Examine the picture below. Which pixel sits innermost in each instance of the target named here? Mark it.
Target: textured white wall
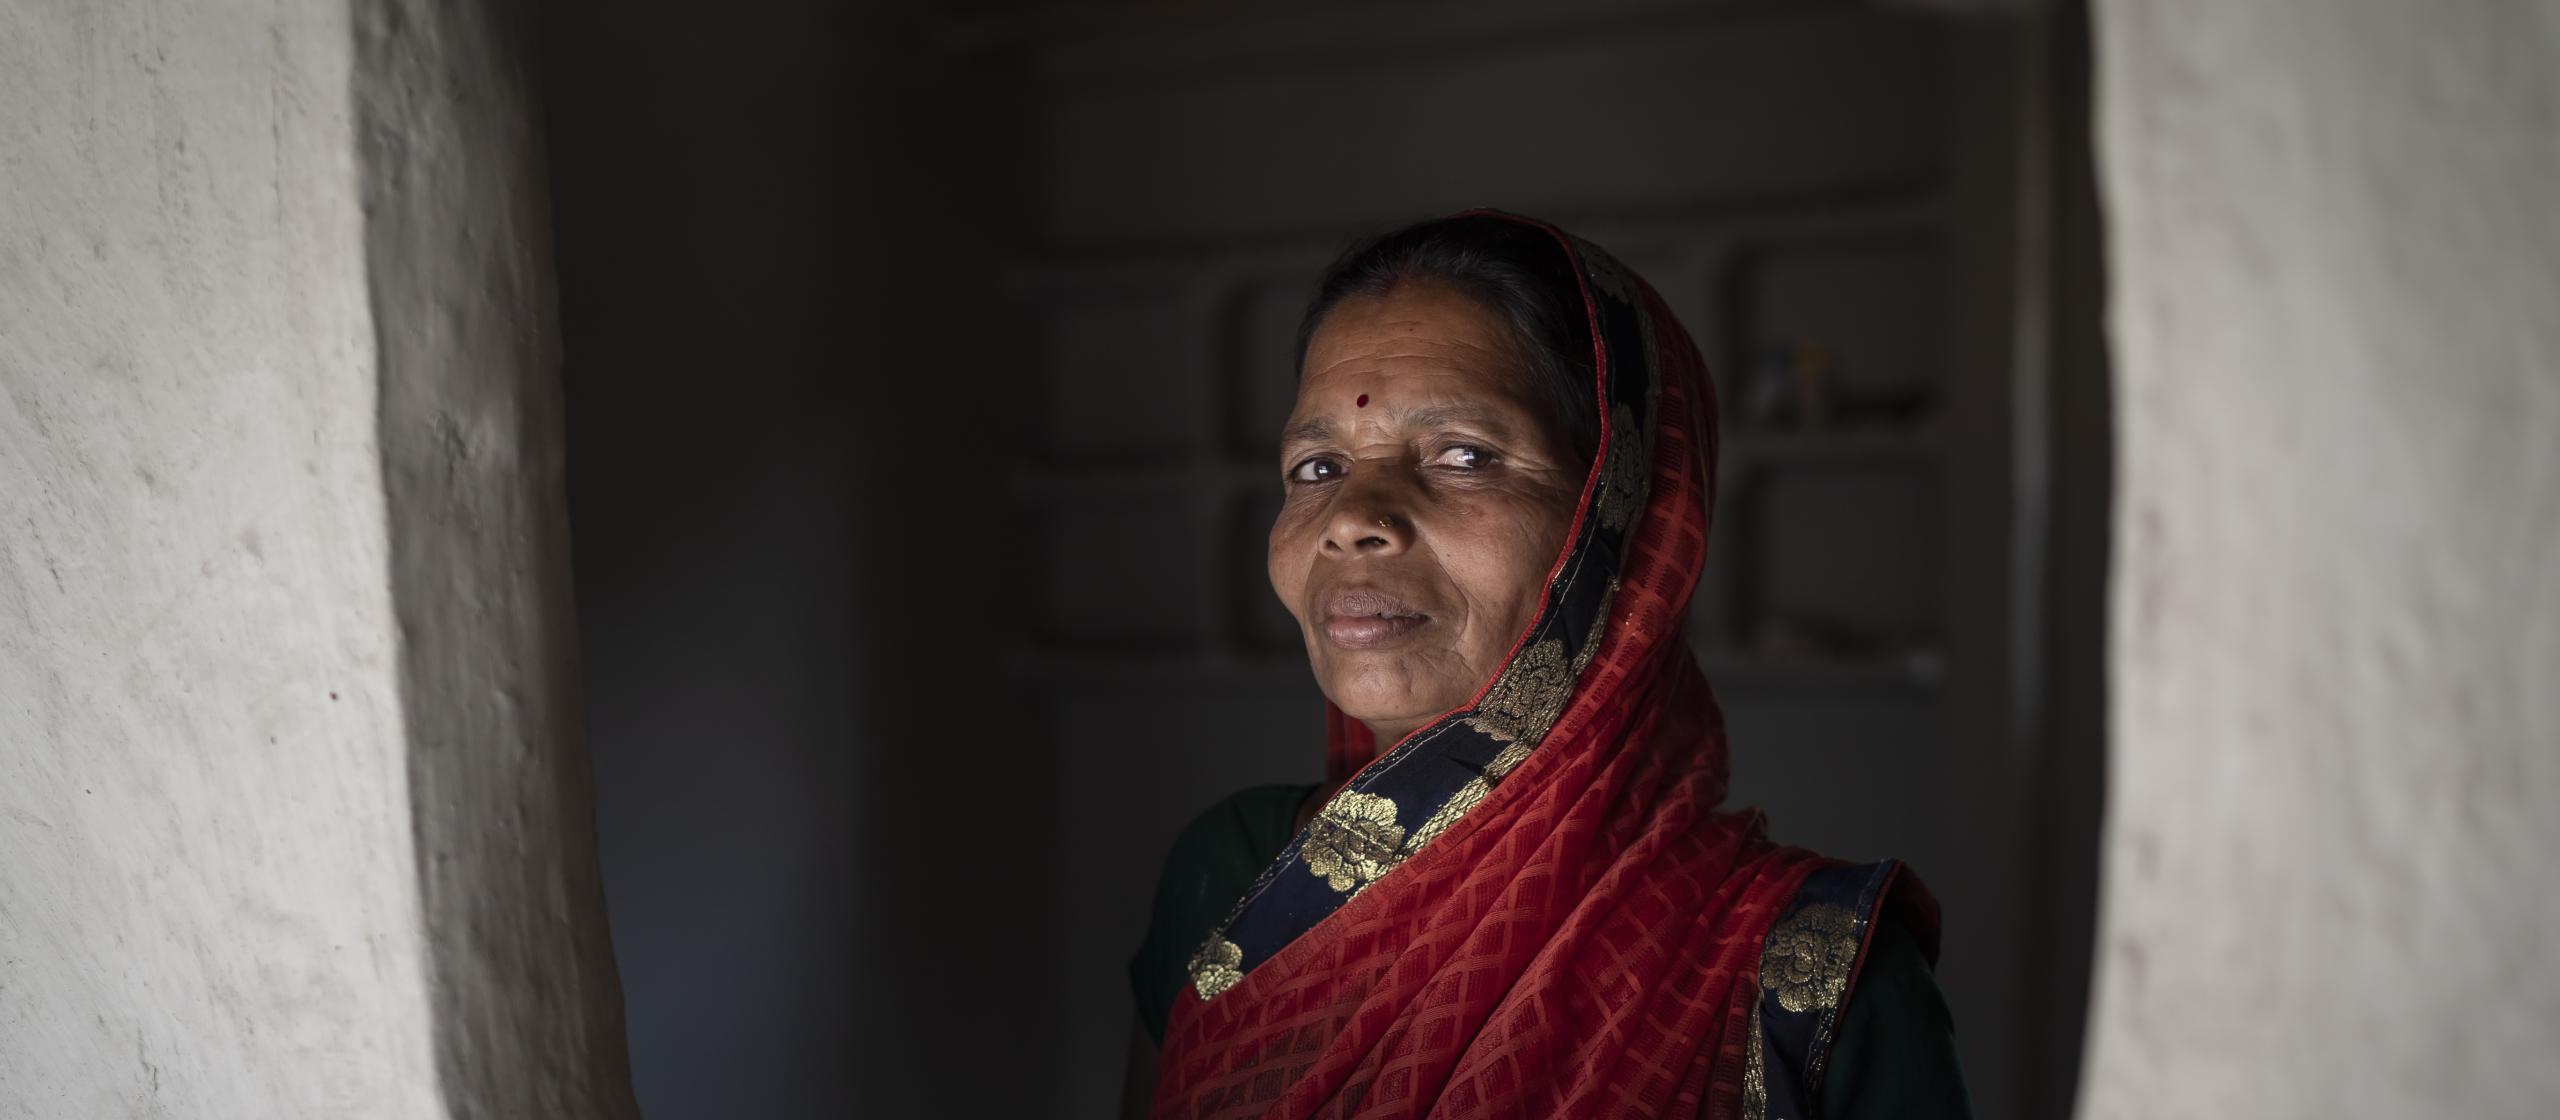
(261, 266)
(207, 902)
(2335, 761)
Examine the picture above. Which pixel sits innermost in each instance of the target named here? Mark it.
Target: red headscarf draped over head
(1575, 932)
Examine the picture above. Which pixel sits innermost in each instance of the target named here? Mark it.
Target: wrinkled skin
(1418, 528)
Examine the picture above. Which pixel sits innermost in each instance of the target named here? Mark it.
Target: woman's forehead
(1419, 346)
(1418, 317)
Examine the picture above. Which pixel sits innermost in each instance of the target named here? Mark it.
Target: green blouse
(1894, 1055)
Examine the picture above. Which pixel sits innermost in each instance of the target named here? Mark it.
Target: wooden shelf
(1138, 479)
(1169, 665)
(1746, 449)
(1712, 233)
(1731, 667)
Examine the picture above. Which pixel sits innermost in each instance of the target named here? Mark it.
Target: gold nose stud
(1386, 523)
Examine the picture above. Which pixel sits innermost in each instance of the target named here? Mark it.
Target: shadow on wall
(920, 376)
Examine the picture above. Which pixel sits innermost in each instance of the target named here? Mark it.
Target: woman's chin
(1380, 696)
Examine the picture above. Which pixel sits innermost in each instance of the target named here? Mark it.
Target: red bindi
(1363, 402)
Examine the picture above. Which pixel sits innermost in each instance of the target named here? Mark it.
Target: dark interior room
(918, 355)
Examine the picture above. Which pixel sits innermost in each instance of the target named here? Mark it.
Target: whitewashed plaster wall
(293, 819)
(2334, 786)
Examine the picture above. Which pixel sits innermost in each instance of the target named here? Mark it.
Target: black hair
(1518, 270)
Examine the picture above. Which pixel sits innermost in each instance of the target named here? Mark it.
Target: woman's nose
(1368, 521)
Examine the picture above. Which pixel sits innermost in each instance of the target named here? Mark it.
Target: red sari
(1577, 930)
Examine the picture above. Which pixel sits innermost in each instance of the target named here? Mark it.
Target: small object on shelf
(1810, 373)
(1790, 386)
(1804, 387)
(1789, 638)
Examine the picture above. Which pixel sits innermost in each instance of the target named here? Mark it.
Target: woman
(1499, 471)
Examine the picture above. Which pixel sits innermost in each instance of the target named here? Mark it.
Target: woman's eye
(1318, 469)
(1465, 455)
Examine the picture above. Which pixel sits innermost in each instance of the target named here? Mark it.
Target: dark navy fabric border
(1796, 1033)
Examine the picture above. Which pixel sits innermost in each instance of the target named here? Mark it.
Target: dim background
(900, 684)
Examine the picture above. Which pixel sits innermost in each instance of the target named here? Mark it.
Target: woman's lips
(1366, 618)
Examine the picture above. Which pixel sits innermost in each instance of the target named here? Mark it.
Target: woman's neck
(1385, 735)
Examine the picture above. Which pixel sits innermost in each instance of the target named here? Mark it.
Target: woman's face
(1428, 493)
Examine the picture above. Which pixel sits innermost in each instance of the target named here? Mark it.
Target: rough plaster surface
(207, 906)
(528, 1008)
(2334, 785)
(292, 809)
